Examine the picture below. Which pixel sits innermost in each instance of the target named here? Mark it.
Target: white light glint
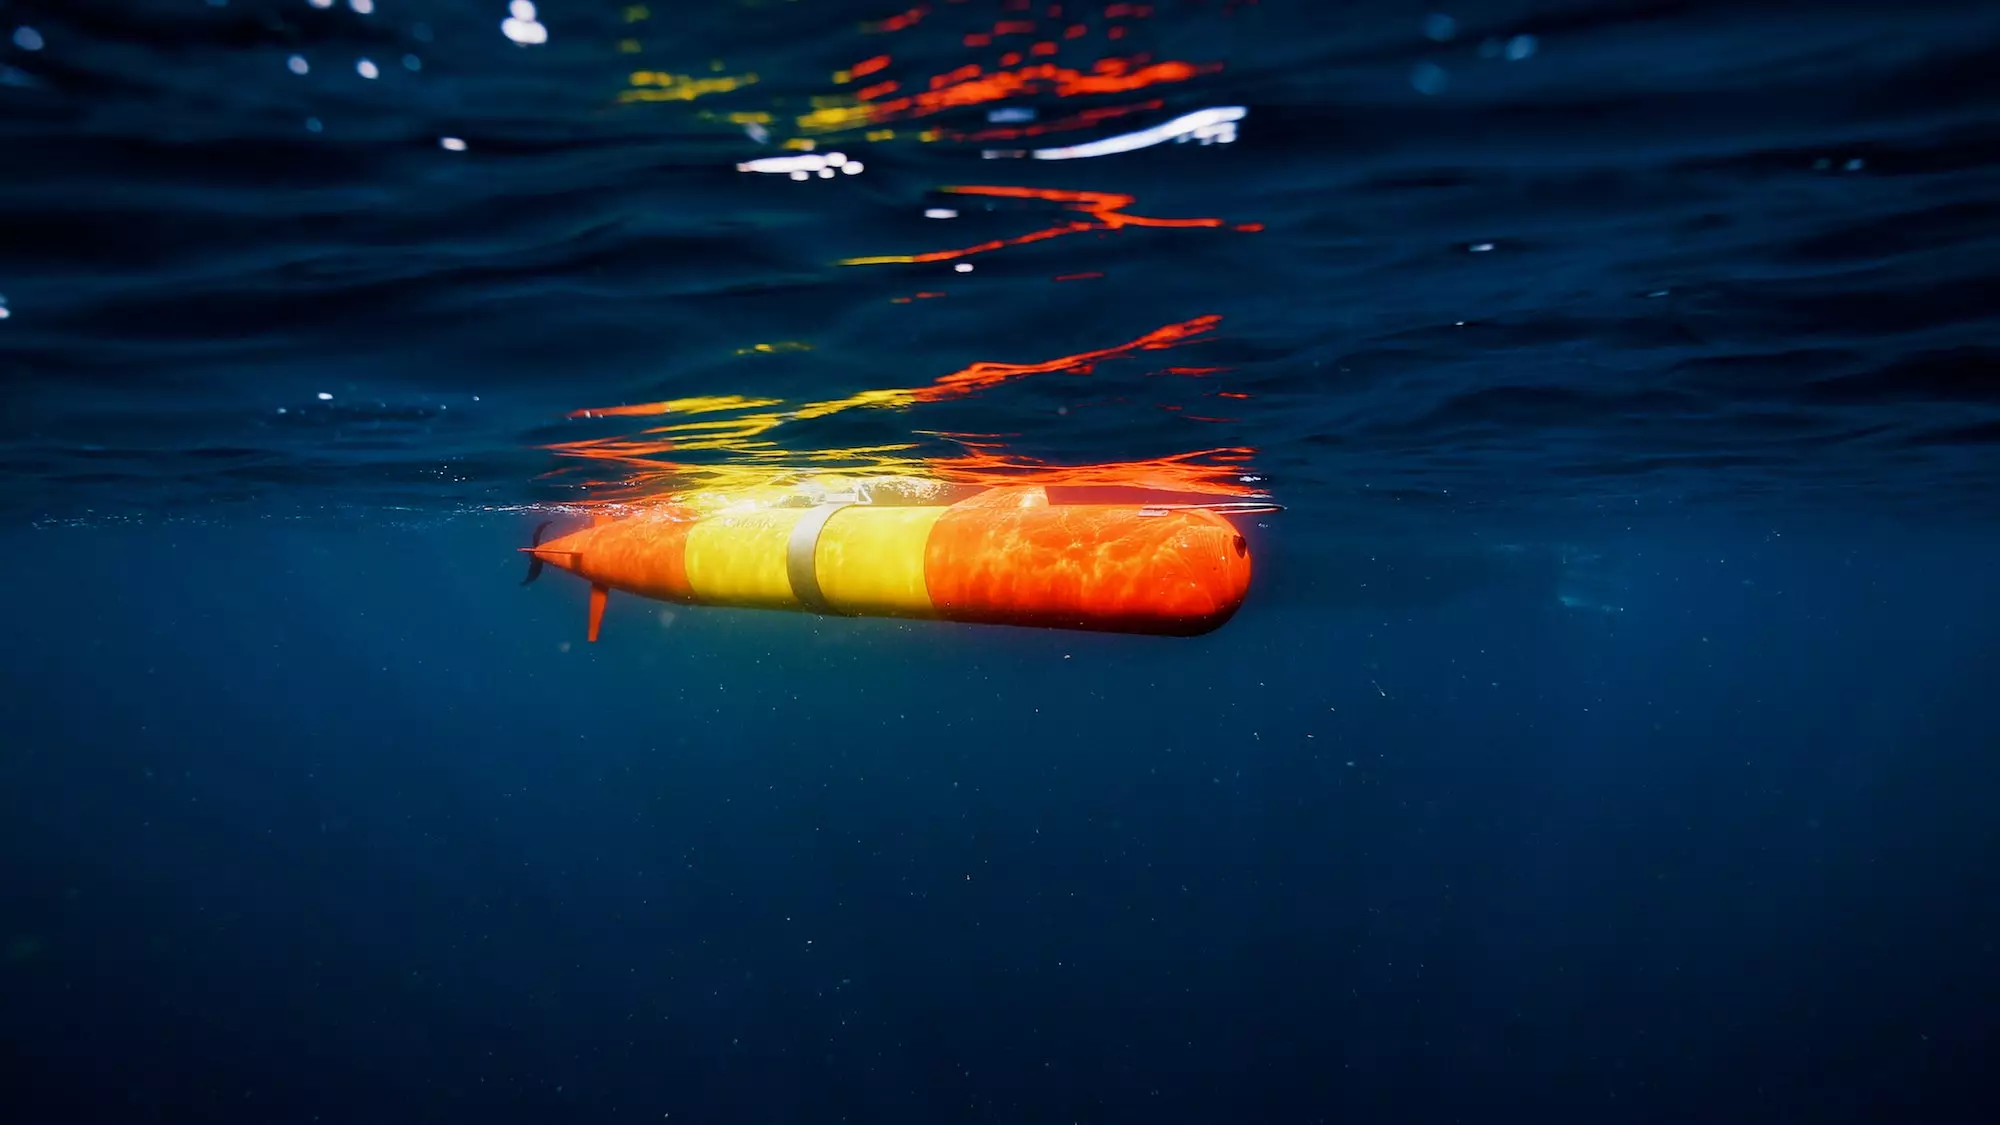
(325, 396)
(523, 10)
(803, 166)
(940, 213)
(320, 3)
(451, 144)
(963, 267)
(362, 6)
(367, 69)
(298, 64)
(1207, 126)
(1480, 247)
(527, 33)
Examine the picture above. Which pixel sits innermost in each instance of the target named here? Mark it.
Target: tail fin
(598, 596)
(535, 561)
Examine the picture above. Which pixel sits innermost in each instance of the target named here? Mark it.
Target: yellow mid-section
(739, 559)
(870, 561)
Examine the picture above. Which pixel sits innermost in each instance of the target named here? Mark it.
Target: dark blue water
(1608, 735)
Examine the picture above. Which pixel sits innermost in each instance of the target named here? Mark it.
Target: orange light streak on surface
(898, 22)
(1104, 210)
(982, 375)
(1211, 472)
(757, 459)
(968, 86)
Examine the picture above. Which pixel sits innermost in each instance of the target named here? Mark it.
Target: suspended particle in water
(1429, 78)
(367, 69)
(297, 64)
(27, 38)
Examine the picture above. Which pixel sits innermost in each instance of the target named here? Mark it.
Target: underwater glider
(1003, 556)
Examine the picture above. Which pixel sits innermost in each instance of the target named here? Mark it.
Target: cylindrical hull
(1005, 557)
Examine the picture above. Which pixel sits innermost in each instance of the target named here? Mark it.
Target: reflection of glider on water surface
(1003, 556)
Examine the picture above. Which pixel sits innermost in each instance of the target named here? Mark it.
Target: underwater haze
(1607, 396)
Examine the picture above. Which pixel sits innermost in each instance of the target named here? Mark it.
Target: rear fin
(535, 561)
(598, 596)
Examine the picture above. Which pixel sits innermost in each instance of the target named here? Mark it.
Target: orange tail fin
(598, 596)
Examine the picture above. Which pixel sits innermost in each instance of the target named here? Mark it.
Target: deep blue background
(334, 821)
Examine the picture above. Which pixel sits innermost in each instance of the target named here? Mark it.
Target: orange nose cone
(1208, 577)
(1096, 567)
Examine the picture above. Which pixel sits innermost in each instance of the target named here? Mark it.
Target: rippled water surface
(1533, 258)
